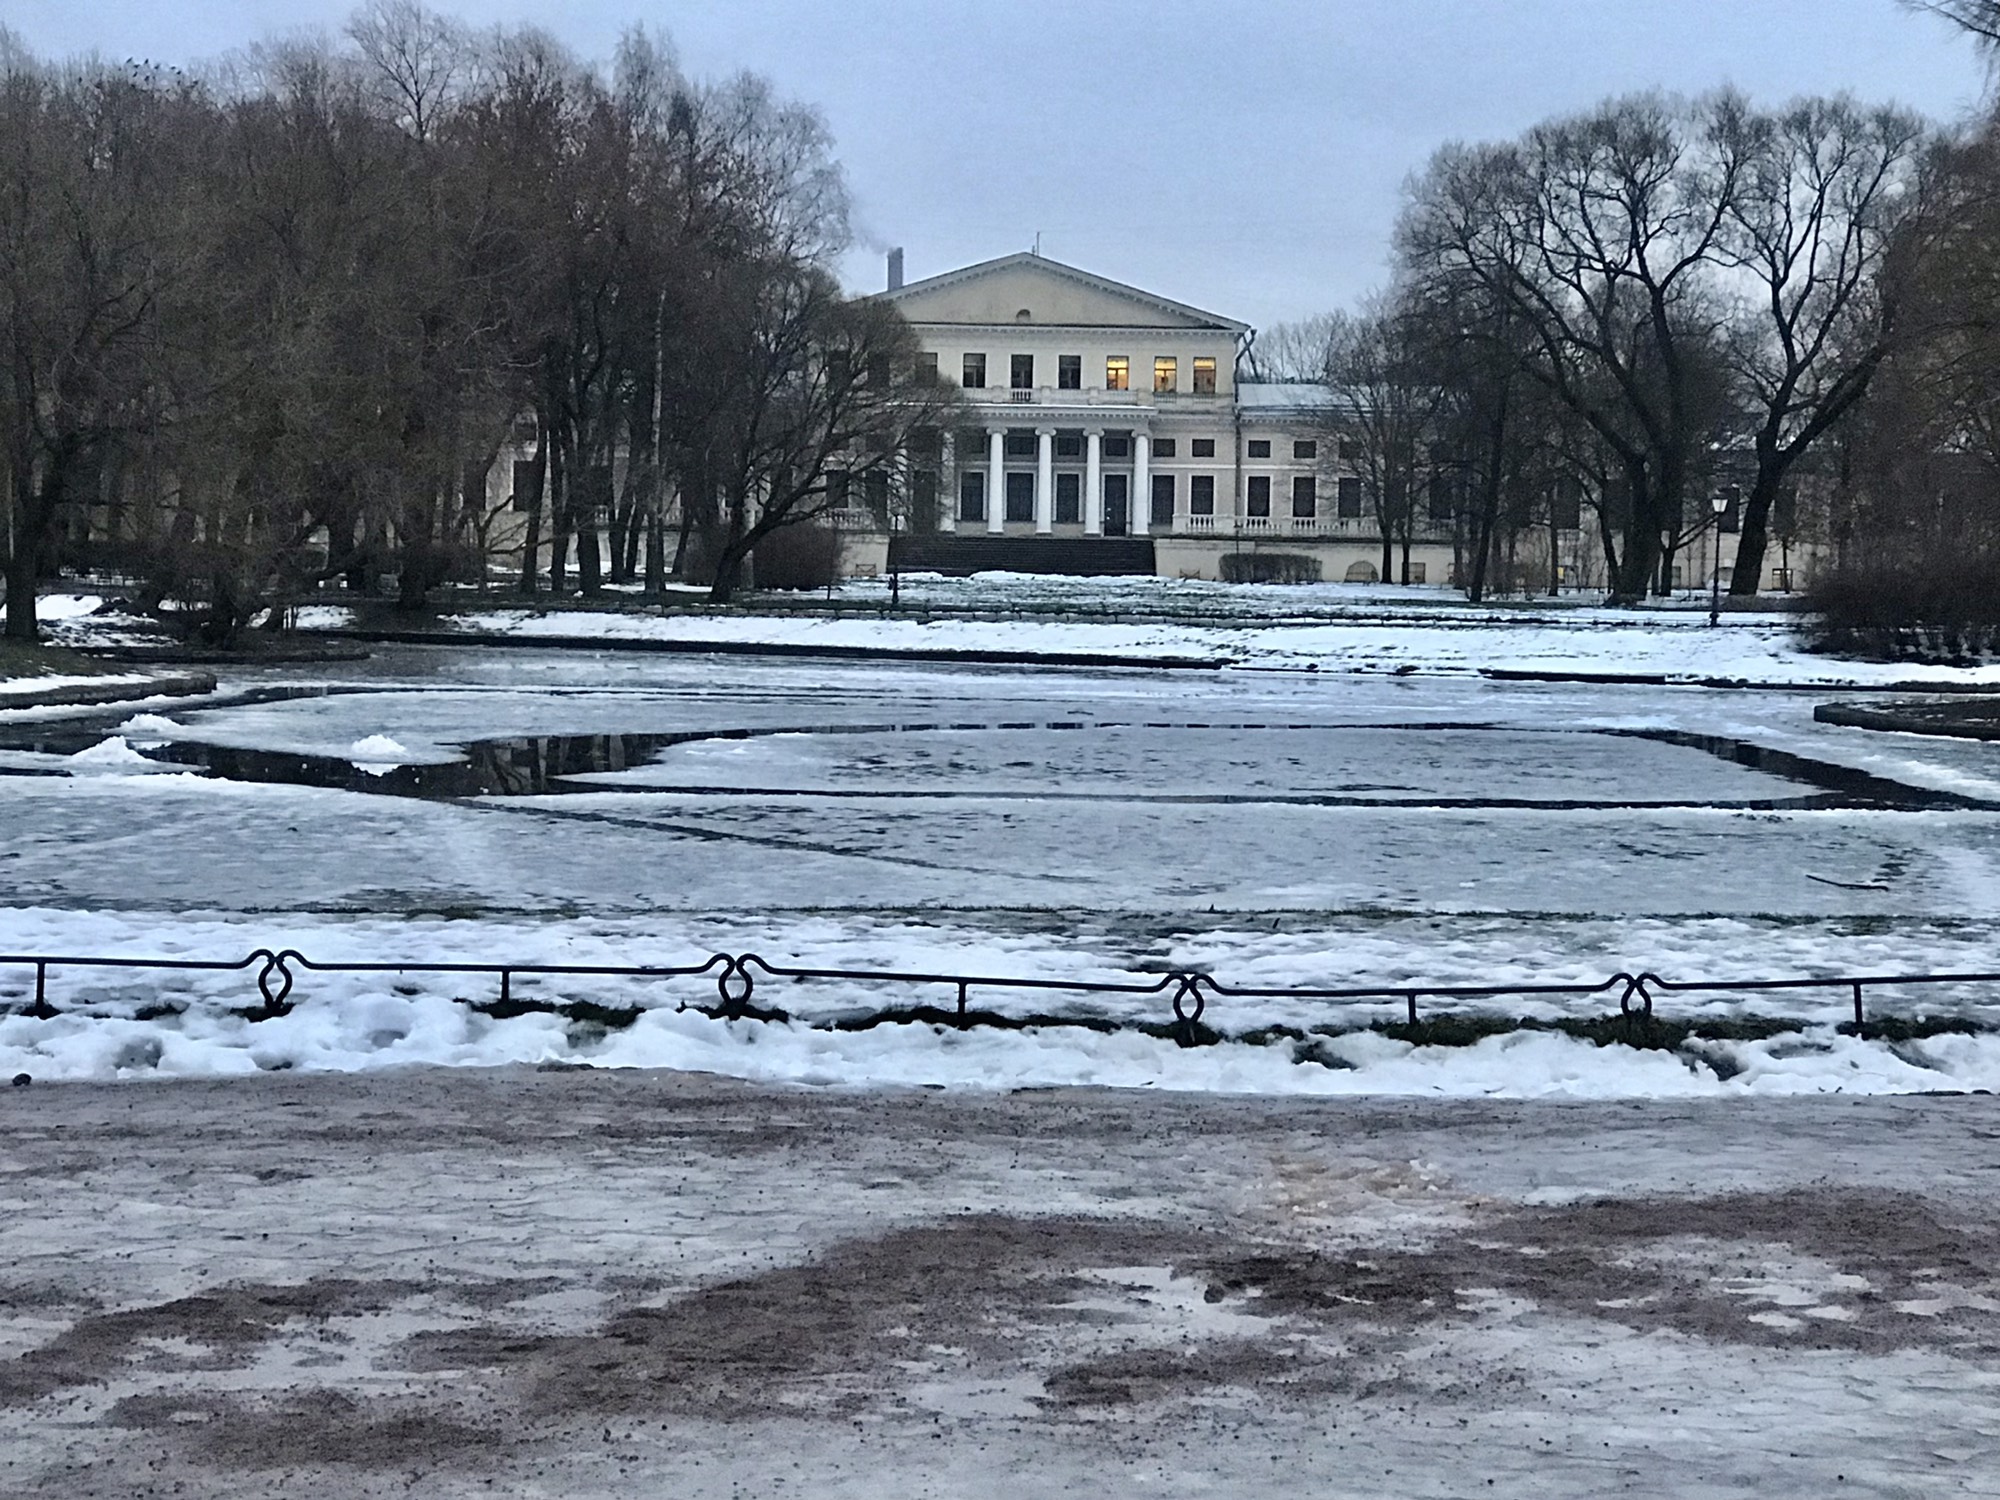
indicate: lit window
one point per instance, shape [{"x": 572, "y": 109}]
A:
[
  {"x": 1259, "y": 497},
  {"x": 1021, "y": 372},
  {"x": 1069, "y": 372},
  {"x": 1166, "y": 373},
  {"x": 1260, "y": 447},
  {"x": 1117, "y": 373},
  {"x": 1164, "y": 448},
  {"x": 974, "y": 377},
  {"x": 1305, "y": 448},
  {"x": 1201, "y": 448},
  {"x": 1305, "y": 497},
  {"x": 1204, "y": 377},
  {"x": 1201, "y": 494},
  {"x": 1069, "y": 499}
]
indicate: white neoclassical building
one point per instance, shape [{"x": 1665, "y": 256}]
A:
[{"x": 1105, "y": 429}]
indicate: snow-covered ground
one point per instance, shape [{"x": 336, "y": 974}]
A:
[{"x": 1318, "y": 628}]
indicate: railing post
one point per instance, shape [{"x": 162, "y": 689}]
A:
[
  {"x": 1860, "y": 1019},
  {"x": 42, "y": 1010}
]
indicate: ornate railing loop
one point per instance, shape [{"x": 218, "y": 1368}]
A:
[
  {"x": 1187, "y": 1022},
  {"x": 735, "y": 985},
  {"x": 1636, "y": 986},
  {"x": 274, "y": 982}
]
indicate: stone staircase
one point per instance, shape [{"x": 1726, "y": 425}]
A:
[{"x": 957, "y": 554}]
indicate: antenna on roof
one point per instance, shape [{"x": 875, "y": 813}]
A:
[{"x": 1038, "y": 243}]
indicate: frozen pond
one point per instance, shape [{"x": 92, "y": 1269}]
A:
[{"x": 592, "y": 782}]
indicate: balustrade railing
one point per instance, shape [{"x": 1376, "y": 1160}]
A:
[{"x": 734, "y": 981}]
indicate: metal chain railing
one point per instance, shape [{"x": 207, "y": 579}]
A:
[{"x": 1187, "y": 992}]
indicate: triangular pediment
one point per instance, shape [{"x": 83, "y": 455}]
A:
[{"x": 1050, "y": 294}]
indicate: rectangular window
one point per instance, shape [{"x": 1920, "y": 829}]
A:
[
  {"x": 1566, "y": 504},
  {"x": 1069, "y": 499},
  {"x": 1201, "y": 494},
  {"x": 1202, "y": 448},
  {"x": 1020, "y": 497},
  {"x": 1163, "y": 499},
  {"x": 836, "y": 489},
  {"x": 875, "y": 485},
  {"x": 1348, "y": 500},
  {"x": 1260, "y": 447},
  {"x": 923, "y": 499},
  {"x": 527, "y": 484},
  {"x": 1204, "y": 377},
  {"x": 974, "y": 377},
  {"x": 1021, "y": 372},
  {"x": 1020, "y": 444},
  {"x": 1441, "y": 507},
  {"x": 1069, "y": 372},
  {"x": 1117, "y": 373},
  {"x": 1258, "y": 499},
  {"x": 878, "y": 371},
  {"x": 1069, "y": 445},
  {"x": 926, "y": 371},
  {"x": 1166, "y": 373},
  {"x": 1305, "y": 448},
  {"x": 1305, "y": 497},
  {"x": 1349, "y": 449},
  {"x": 926, "y": 444},
  {"x": 1164, "y": 448},
  {"x": 972, "y": 496},
  {"x": 1117, "y": 445}
]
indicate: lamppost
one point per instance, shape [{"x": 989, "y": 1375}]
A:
[{"x": 1718, "y": 502}]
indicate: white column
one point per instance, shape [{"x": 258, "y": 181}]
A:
[
  {"x": 996, "y": 477},
  {"x": 1142, "y": 482},
  {"x": 1093, "y": 483},
  {"x": 1045, "y": 480},
  {"x": 947, "y": 518}
]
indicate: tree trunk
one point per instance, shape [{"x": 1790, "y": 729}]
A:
[
  {"x": 21, "y": 581},
  {"x": 1753, "y": 537},
  {"x": 530, "y": 583}
]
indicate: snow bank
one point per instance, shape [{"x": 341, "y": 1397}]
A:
[{"x": 384, "y": 1029}]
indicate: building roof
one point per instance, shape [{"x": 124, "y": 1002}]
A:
[
  {"x": 1027, "y": 260},
  {"x": 1290, "y": 396}
]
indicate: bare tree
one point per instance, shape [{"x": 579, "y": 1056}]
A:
[
  {"x": 1597, "y": 232},
  {"x": 1827, "y": 188}
]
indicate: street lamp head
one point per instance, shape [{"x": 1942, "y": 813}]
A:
[{"x": 1719, "y": 501}]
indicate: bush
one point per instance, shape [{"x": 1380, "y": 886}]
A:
[
  {"x": 805, "y": 556},
  {"x": 1930, "y": 609},
  {"x": 1270, "y": 567}
]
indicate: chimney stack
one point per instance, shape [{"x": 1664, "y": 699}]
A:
[{"x": 896, "y": 269}]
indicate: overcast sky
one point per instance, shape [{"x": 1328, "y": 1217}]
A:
[{"x": 1242, "y": 155}]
